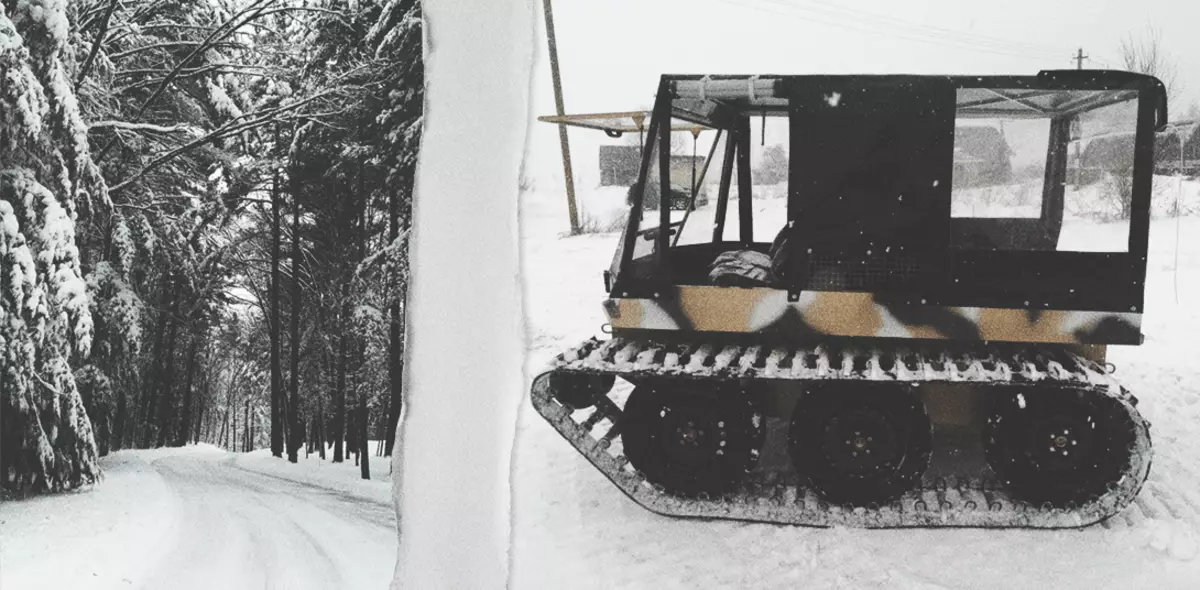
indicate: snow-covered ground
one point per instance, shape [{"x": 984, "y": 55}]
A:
[
  {"x": 199, "y": 517},
  {"x": 573, "y": 529},
  {"x": 344, "y": 477}
]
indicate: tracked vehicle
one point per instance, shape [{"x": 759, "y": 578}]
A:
[{"x": 909, "y": 331}]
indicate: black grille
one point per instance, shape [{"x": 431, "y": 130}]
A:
[{"x": 866, "y": 273}]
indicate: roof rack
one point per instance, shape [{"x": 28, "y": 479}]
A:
[{"x": 619, "y": 123}]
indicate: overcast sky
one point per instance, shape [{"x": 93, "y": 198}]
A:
[{"x": 612, "y": 51}]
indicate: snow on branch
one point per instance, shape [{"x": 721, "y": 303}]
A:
[
  {"x": 232, "y": 127},
  {"x": 387, "y": 252},
  {"x": 126, "y": 125}
]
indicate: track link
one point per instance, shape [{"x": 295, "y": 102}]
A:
[{"x": 774, "y": 496}]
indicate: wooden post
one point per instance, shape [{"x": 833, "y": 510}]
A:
[{"x": 562, "y": 128}]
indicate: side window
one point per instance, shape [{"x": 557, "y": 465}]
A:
[
  {"x": 1099, "y": 183},
  {"x": 769, "y": 143},
  {"x": 999, "y": 167},
  {"x": 692, "y": 168},
  {"x": 1038, "y": 169},
  {"x": 647, "y": 214},
  {"x": 687, "y": 160}
]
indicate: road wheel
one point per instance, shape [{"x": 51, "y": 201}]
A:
[
  {"x": 860, "y": 443},
  {"x": 1057, "y": 446},
  {"x": 692, "y": 438}
]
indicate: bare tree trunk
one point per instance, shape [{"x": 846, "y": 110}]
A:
[
  {"x": 276, "y": 349},
  {"x": 294, "y": 402},
  {"x": 321, "y": 427},
  {"x": 339, "y": 399},
  {"x": 395, "y": 342},
  {"x": 355, "y": 436},
  {"x": 200, "y": 426},
  {"x": 150, "y": 393},
  {"x": 201, "y": 423},
  {"x": 224, "y": 429},
  {"x": 185, "y": 430},
  {"x": 166, "y": 414},
  {"x": 231, "y": 422},
  {"x": 119, "y": 422},
  {"x": 246, "y": 428},
  {"x": 352, "y": 432},
  {"x": 364, "y": 450}
]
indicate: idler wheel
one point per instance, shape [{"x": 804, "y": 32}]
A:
[{"x": 577, "y": 391}]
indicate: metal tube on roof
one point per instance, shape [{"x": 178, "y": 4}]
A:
[{"x": 745, "y": 88}]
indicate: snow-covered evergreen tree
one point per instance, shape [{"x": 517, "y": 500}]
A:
[{"x": 46, "y": 176}]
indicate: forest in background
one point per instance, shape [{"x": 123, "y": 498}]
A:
[{"x": 204, "y": 208}]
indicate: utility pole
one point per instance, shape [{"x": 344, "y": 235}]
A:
[
  {"x": 1079, "y": 57},
  {"x": 562, "y": 128}
]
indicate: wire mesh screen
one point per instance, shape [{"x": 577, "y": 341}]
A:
[{"x": 864, "y": 273}]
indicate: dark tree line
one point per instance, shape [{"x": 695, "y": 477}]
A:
[{"x": 232, "y": 180}]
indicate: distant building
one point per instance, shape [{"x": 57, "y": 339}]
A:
[
  {"x": 1167, "y": 146},
  {"x": 620, "y": 164},
  {"x": 1115, "y": 152},
  {"x": 981, "y": 156}
]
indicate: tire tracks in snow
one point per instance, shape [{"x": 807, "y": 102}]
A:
[{"x": 241, "y": 528}]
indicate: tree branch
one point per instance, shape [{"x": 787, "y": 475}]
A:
[
  {"x": 91, "y": 58},
  {"x": 255, "y": 9},
  {"x": 164, "y": 45},
  {"x": 137, "y": 126},
  {"x": 230, "y": 128}
]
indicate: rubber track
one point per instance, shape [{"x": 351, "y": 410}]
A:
[{"x": 768, "y": 497}]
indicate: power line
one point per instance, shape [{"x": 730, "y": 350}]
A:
[
  {"x": 935, "y": 35},
  {"x": 925, "y": 37},
  {"x": 921, "y": 28}
]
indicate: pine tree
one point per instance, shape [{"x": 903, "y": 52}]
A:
[{"x": 46, "y": 177}]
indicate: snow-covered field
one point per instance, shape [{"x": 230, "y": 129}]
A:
[
  {"x": 202, "y": 518},
  {"x": 573, "y": 529}
]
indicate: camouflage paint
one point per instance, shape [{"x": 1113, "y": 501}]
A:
[{"x": 836, "y": 313}]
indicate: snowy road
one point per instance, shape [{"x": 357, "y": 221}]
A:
[
  {"x": 192, "y": 518},
  {"x": 247, "y": 530}
]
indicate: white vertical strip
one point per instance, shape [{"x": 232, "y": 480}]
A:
[{"x": 463, "y": 367}]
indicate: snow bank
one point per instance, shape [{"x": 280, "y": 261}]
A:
[
  {"x": 345, "y": 477},
  {"x": 1098, "y": 201}
]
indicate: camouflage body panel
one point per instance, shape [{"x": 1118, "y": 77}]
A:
[{"x": 767, "y": 311}]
